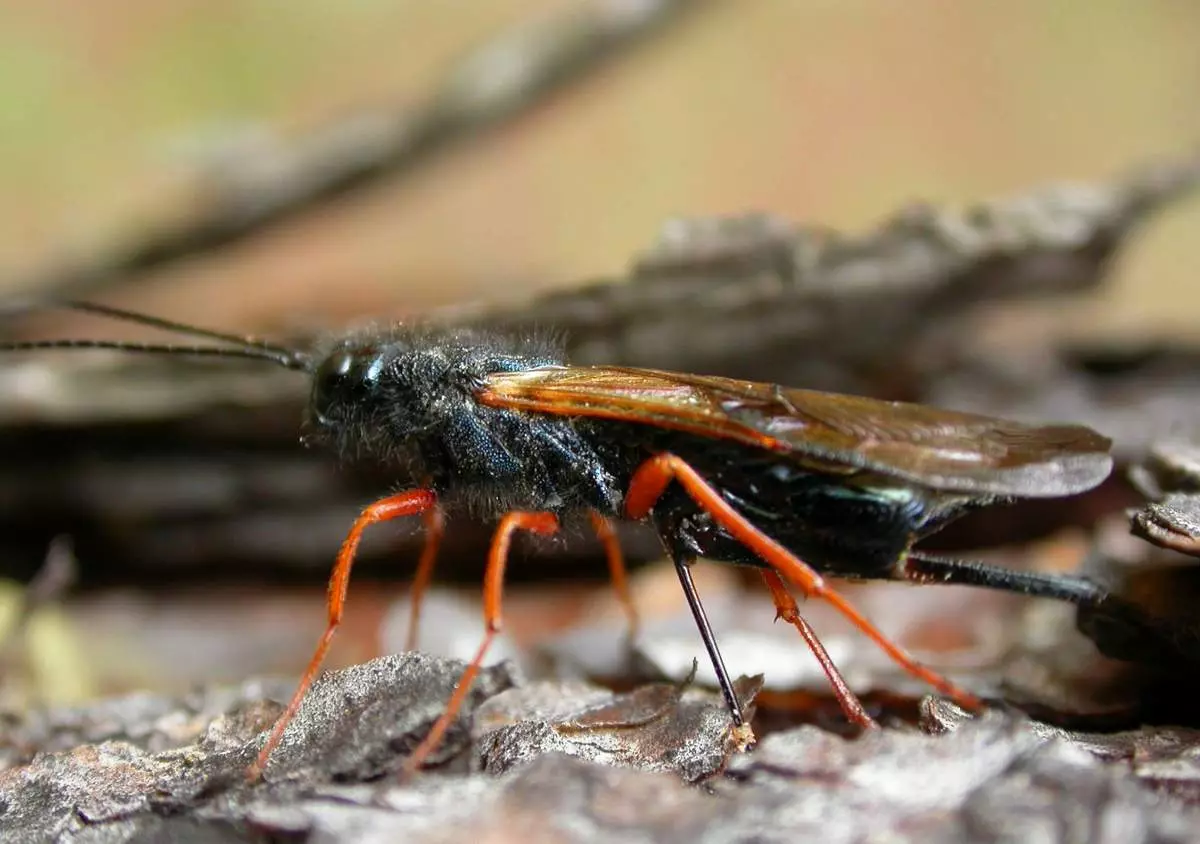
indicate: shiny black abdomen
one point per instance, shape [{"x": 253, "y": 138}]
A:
[{"x": 855, "y": 525}]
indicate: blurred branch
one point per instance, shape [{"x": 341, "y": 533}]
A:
[
  {"x": 512, "y": 72},
  {"x": 754, "y": 297},
  {"x": 203, "y": 456},
  {"x": 758, "y": 297}
]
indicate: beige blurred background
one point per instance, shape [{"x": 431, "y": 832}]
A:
[
  {"x": 831, "y": 112},
  {"x": 835, "y": 113}
]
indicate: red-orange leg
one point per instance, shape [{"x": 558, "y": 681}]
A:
[
  {"x": 786, "y": 609},
  {"x": 435, "y": 528},
  {"x": 393, "y": 507},
  {"x": 616, "y": 569},
  {"x": 543, "y": 524},
  {"x": 651, "y": 480}
]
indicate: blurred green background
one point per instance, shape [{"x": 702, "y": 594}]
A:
[{"x": 831, "y": 112}]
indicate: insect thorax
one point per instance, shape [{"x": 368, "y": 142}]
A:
[{"x": 495, "y": 460}]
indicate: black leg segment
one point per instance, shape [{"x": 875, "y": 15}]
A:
[
  {"x": 926, "y": 568},
  {"x": 683, "y": 569}
]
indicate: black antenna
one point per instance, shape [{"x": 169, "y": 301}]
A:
[
  {"x": 246, "y": 347},
  {"x": 285, "y": 358}
]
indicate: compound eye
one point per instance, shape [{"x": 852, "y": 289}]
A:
[
  {"x": 336, "y": 369},
  {"x": 333, "y": 377}
]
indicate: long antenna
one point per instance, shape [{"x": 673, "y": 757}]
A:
[
  {"x": 169, "y": 325},
  {"x": 284, "y": 357},
  {"x": 247, "y": 347}
]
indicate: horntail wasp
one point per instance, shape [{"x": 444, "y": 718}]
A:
[{"x": 797, "y": 483}]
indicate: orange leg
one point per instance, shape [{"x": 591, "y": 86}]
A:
[
  {"x": 394, "y": 507},
  {"x": 785, "y": 608},
  {"x": 616, "y": 569},
  {"x": 435, "y": 528},
  {"x": 651, "y": 480},
  {"x": 543, "y": 524}
]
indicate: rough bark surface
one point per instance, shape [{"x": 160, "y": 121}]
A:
[{"x": 570, "y": 762}]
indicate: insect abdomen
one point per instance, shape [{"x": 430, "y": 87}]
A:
[{"x": 841, "y": 524}]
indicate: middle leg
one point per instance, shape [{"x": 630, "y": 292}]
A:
[{"x": 543, "y": 524}]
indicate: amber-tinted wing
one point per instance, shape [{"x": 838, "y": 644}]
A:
[{"x": 939, "y": 449}]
